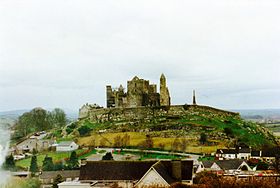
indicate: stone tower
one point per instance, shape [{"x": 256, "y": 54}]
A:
[
  {"x": 164, "y": 92},
  {"x": 194, "y": 100},
  {"x": 110, "y": 97}
]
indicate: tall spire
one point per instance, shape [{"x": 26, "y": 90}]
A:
[{"x": 194, "y": 101}]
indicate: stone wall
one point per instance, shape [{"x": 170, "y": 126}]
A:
[{"x": 146, "y": 113}]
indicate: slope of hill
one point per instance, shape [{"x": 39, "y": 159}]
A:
[{"x": 221, "y": 128}]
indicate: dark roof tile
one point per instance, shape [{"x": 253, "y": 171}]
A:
[
  {"x": 63, "y": 173},
  {"x": 255, "y": 153},
  {"x": 226, "y": 151},
  {"x": 132, "y": 170},
  {"x": 229, "y": 164},
  {"x": 207, "y": 164},
  {"x": 115, "y": 170}
]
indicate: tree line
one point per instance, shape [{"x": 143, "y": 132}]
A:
[{"x": 39, "y": 119}]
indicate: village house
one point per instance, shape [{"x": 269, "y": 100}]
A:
[
  {"x": 132, "y": 174},
  {"x": 226, "y": 167},
  {"x": 243, "y": 152},
  {"x": 246, "y": 153},
  {"x": 66, "y": 146},
  {"x": 225, "y": 154},
  {"x": 255, "y": 154},
  {"x": 269, "y": 155},
  {"x": 39, "y": 135},
  {"x": 30, "y": 144}
]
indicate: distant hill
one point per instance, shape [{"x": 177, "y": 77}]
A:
[
  {"x": 14, "y": 114},
  {"x": 260, "y": 113}
]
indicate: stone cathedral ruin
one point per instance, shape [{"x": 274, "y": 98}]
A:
[
  {"x": 139, "y": 93},
  {"x": 140, "y": 101}
]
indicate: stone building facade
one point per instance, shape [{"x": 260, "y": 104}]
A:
[{"x": 139, "y": 93}]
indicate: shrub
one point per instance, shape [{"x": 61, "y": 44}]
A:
[
  {"x": 108, "y": 156},
  {"x": 84, "y": 130},
  {"x": 70, "y": 128}
]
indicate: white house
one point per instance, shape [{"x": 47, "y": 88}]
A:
[
  {"x": 244, "y": 153},
  {"x": 67, "y": 146},
  {"x": 226, "y": 167},
  {"x": 222, "y": 154}
]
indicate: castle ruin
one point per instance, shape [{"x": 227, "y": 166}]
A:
[
  {"x": 140, "y": 101},
  {"x": 139, "y": 93}
]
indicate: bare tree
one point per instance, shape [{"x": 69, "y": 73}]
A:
[
  {"x": 176, "y": 144},
  {"x": 184, "y": 143}
]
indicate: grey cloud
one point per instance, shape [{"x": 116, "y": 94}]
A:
[{"x": 63, "y": 53}]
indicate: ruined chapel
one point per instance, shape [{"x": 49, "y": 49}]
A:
[{"x": 139, "y": 93}]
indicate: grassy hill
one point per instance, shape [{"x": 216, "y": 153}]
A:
[{"x": 221, "y": 130}]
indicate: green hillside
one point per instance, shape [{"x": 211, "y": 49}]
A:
[{"x": 221, "y": 130}]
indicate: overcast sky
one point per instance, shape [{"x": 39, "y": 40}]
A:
[{"x": 62, "y": 53}]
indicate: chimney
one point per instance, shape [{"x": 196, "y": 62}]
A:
[{"x": 176, "y": 169}]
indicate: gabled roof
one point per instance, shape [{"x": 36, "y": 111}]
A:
[
  {"x": 63, "y": 173},
  {"x": 229, "y": 164},
  {"x": 226, "y": 151},
  {"x": 65, "y": 143},
  {"x": 115, "y": 170},
  {"x": 207, "y": 164},
  {"x": 271, "y": 152},
  {"x": 244, "y": 150},
  {"x": 163, "y": 172},
  {"x": 132, "y": 170}
]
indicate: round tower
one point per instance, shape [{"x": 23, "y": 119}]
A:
[{"x": 164, "y": 93}]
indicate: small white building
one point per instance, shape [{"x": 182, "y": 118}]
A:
[
  {"x": 225, "y": 154},
  {"x": 243, "y": 152},
  {"x": 66, "y": 146}
]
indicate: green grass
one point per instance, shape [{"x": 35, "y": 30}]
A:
[
  {"x": 56, "y": 156},
  {"x": 69, "y": 138},
  {"x": 88, "y": 154},
  {"x": 158, "y": 156},
  {"x": 164, "y": 130},
  {"x": 145, "y": 156},
  {"x": 210, "y": 158}
]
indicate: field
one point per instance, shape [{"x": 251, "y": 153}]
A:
[
  {"x": 16, "y": 182},
  {"x": 275, "y": 127},
  {"x": 56, "y": 156},
  {"x": 136, "y": 138}
]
